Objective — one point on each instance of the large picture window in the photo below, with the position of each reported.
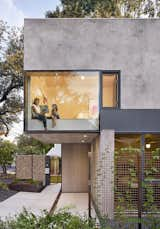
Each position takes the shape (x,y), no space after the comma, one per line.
(74,93)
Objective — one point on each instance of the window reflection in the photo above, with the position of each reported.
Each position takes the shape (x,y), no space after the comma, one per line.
(74,93)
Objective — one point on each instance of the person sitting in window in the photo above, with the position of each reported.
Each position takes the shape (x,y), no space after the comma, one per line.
(54,114)
(36,112)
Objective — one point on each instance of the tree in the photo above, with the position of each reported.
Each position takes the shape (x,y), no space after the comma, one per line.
(7,151)
(28,145)
(106,9)
(11,75)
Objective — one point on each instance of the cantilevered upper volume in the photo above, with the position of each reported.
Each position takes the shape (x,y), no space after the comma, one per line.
(86,75)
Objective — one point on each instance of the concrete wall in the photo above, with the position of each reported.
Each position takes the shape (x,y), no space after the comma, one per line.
(75,167)
(131,46)
(30,167)
(102,173)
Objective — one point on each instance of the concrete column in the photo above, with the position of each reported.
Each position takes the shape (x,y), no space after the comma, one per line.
(107,167)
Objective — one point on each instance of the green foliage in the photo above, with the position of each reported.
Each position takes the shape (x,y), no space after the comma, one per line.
(7,151)
(56,179)
(60,220)
(106,9)
(72,8)
(29,145)
(124,197)
(11,75)
(3,186)
(26,181)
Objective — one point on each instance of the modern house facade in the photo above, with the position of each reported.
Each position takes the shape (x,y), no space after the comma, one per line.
(103,75)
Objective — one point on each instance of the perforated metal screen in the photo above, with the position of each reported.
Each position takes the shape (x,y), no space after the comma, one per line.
(137,174)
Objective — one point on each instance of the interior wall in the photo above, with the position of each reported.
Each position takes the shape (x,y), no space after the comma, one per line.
(67,89)
(75,167)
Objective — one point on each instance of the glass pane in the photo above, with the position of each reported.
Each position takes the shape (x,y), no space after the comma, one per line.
(152,157)
(75,94)
(152,173)
(109,90)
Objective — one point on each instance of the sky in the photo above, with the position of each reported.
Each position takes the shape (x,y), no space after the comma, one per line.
(13,12)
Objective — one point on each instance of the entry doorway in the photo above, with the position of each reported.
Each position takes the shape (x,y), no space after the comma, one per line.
(55,164)
(75,167)
(55,170)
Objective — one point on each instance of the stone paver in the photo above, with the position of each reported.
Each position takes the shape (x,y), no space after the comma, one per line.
(34,202)
(76,202)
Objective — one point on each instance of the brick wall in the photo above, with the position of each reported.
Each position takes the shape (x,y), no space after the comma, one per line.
(30,167)
(24,167)
(39,167)
(102,173)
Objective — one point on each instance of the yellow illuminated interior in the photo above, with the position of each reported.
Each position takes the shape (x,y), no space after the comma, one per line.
(109,90)
(75,93)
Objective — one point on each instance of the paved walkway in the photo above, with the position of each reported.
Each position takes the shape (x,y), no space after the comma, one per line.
(76,202)
(34,202)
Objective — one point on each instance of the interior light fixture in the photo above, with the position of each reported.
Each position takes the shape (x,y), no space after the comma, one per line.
(62,101)
(148,146)
(82,77)
(85,135)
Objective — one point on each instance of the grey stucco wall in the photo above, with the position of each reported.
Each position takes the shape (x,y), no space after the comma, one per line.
(131,46)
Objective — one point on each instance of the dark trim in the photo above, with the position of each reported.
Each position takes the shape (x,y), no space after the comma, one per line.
(55,202)
(100,90)
(60,132)
(48,166)
(136,132)
(71,70)
(26,103)
(154,181)
(89,185)
(24,115)
(130,120)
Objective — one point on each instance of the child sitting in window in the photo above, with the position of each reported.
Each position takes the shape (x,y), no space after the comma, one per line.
(36,112)
(54,114)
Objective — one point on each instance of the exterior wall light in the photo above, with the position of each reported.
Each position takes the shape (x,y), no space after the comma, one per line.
(85,135)
(148,146)
(82,77)
(82,141)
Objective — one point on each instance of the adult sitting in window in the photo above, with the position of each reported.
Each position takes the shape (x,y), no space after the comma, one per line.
(36,112)
(54,114)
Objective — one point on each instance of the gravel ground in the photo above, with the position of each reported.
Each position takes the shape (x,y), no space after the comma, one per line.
(4,194)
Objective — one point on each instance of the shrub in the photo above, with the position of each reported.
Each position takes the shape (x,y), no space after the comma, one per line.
(60,220)
(3,186)
(27,185)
